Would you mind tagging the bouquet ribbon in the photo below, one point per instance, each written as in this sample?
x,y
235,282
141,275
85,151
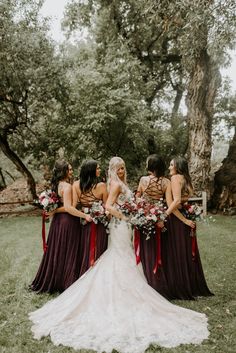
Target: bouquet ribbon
x,y
137,245
194,242
158,244
92,249
44,232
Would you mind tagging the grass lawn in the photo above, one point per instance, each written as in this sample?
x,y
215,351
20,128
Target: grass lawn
x,y
20,254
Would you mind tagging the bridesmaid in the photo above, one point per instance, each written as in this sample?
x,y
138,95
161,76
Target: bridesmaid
x,y
184,269
59,265
153,188
86,191
153,255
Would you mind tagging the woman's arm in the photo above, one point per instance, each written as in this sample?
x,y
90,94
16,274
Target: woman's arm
x,y
176,212
75,193
140,189
57,210
104,193
176,192
112,197
67,199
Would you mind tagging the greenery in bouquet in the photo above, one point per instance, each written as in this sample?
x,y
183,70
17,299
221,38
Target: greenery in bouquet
x,y
48,200
97,213
128,208
192,212
147,215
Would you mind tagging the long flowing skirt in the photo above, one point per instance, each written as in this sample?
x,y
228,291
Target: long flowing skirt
x,y
183,271
153,259
112,307
59,267
94,240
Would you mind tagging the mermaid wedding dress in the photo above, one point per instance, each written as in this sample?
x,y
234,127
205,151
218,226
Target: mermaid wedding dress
x,y
112,307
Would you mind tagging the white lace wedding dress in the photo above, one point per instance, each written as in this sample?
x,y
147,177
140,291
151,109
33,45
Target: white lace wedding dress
x,y
112,307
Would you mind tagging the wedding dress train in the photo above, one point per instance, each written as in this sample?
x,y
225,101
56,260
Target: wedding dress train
x,y
112,307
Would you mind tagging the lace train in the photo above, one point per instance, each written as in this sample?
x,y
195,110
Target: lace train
x,y
112,307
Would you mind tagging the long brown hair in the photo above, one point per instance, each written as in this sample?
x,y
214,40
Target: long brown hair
x,y
88,178
156,165
59,173
181,166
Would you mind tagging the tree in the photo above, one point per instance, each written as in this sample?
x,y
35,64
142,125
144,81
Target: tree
x,y
107,114
224,196
202,89
180,41
149,46
224,193
28,78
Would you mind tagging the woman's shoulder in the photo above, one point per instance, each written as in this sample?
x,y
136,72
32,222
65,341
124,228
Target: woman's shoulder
x,y
64,187
166,181
101,186
177,178
67,186
76,184
115,185
144,180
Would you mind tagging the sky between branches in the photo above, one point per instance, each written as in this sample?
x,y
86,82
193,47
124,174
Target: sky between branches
x,y
55,11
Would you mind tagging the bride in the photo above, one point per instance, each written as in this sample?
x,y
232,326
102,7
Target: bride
x,y
111,306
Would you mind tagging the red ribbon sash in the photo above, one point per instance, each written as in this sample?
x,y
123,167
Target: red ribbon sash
x,y
137,245
194,242
158,243
44,232
92,250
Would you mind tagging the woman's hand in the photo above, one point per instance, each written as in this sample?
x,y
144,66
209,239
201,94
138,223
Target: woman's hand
x,y
49,214
124,218
88,218
160,224
108,215
190,223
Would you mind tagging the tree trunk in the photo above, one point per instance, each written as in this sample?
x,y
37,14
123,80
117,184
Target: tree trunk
x,y
224,195
4,145
178,97
204,82
3,181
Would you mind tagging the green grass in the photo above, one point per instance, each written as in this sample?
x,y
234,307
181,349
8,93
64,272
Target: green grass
x,y
20,254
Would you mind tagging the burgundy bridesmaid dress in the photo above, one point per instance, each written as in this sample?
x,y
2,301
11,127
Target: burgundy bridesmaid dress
x,y
94,237
183,269
152,253
59,267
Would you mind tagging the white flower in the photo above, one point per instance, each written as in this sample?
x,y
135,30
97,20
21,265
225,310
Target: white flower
x,y
45,202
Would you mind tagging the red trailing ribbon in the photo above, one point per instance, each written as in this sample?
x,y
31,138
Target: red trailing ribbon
x,y
92,250
158,258
194,242
137,245
44,231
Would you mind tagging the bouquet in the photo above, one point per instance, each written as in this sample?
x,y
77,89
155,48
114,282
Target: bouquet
x,y
147,215
192,212
128,207
48,200
97,213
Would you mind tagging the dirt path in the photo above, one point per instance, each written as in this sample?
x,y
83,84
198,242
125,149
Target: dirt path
x,y
15,200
